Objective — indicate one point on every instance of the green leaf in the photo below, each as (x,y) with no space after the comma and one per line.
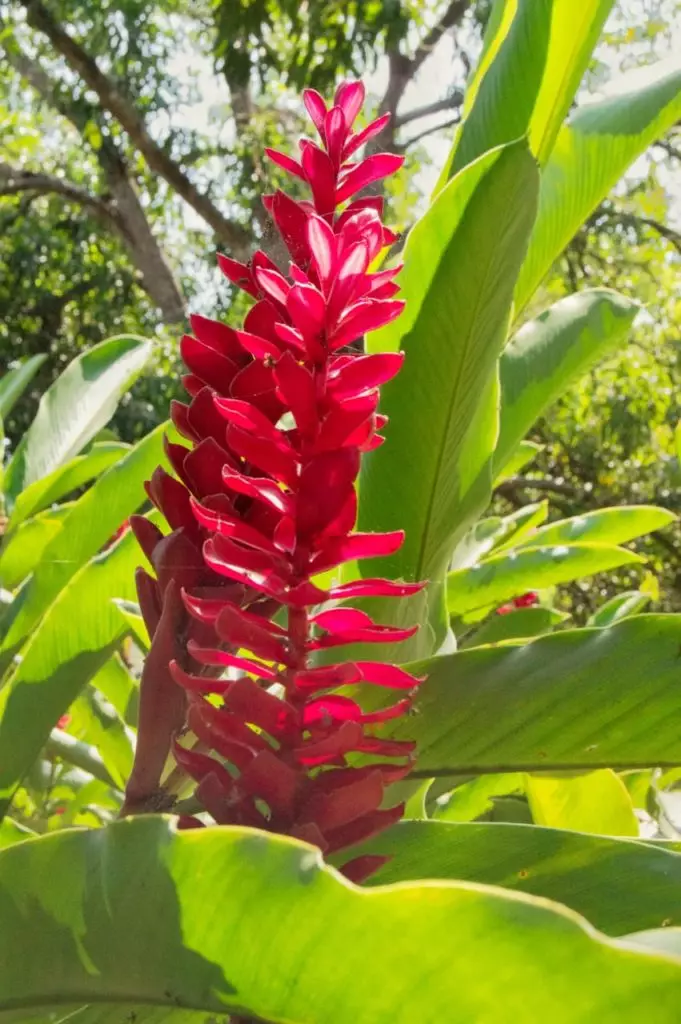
(568,701)
(12,832)
(76,637)
(24,547)
(591,153)
(583,801)
(96,721)
(549,353)
(130,611)
(661,940)
(507,575)
(60,744)
(617,884)
(525,453)
(115,682)
(474,798)
(232,920)
(15,381)
(461,260)
(65,479)
(619,607)
(521,523)
(519,624)
(79,403)
(540,50)
(91,522)
(492,534)
(604,526)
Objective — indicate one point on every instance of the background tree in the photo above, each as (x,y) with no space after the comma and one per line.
(132,152)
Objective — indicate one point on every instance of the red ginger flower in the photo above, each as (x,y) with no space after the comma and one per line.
(265,501)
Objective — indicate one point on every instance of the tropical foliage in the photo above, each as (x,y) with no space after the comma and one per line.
(531,760)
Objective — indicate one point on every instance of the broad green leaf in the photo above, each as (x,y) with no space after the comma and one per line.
(115,682)
(494,533)
(24,547)
(233,920)
(549,353)
(66,479)
(133,616)
(76,637)
(541,49)
(525,453)
(14,382)
(520,624)
(591,153)
(461,260)
(619,885)
(75,408)
(95,721)
(12,832)
(478,542)
(509,574)
(473,799)
(522,523)
(91,522)
(619,607)
(604,526)
(582,801)
(661,940)
(574,700)
(60,744)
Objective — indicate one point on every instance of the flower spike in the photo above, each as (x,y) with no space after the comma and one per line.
(263,500)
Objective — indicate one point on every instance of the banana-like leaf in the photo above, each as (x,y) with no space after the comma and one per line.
(79,403)
(91,522)
(521,523)
(619,607)
(117,685)
(75,638)
(523,455)
(95,721)
(574,700)
(235,921)
(535,51)
(549,353)
(604,526)
(619,885)
(12,832)
(591,153)
(475,798)
(461,261)
(15,381)
(472,591)
(79,754)
(65,479)
(520,624)
(582,801)
(22,550)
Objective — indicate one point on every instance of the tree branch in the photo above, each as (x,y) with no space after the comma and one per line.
(451,17)
(527,483)
(113,100)
(429,131)
(14,180)
(401,70)
(450,102)
(132,225)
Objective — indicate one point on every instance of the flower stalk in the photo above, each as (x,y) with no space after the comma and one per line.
(262,503)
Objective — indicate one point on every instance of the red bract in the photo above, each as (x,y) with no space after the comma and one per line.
(523,601)
(264,499)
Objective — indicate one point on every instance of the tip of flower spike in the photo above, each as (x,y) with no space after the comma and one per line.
(350,98)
